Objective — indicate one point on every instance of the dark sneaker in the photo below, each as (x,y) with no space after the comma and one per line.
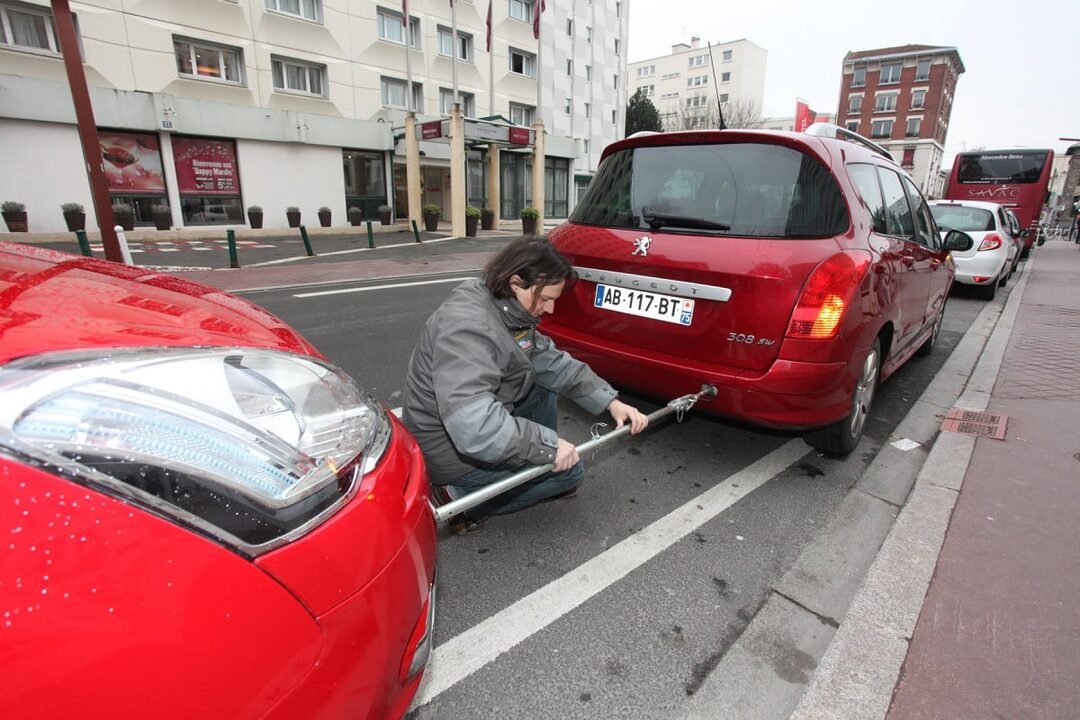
(462,524)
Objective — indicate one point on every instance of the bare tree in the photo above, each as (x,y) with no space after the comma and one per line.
(737,114)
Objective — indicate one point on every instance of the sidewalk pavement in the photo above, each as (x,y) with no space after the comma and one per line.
(971,608)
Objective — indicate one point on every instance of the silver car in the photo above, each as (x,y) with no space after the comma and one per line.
(992,259)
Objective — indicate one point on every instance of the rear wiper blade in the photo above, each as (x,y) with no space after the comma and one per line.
(655,221)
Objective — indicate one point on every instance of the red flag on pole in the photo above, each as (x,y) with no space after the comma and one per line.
(539,6)
(489,26)
(804,116)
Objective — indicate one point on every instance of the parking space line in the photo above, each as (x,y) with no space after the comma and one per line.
(380,287)
(461,656)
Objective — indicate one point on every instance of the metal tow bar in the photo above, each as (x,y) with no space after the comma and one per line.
(679,406)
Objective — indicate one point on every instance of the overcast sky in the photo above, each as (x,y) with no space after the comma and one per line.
(1018,90)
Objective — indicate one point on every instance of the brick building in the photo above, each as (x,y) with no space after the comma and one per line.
(902,98)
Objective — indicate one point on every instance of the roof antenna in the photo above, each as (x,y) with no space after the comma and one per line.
(719,105)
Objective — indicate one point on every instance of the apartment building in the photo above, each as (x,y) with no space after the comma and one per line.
(902,98)
(214,105)
(687,85)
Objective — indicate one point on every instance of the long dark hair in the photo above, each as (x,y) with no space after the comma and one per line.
(534,260)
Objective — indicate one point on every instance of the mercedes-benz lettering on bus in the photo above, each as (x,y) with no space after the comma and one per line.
(1017,179)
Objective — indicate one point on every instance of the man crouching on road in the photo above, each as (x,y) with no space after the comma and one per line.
(483,384)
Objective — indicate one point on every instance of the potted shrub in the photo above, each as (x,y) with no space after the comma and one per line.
(431,216)
(529,216)
(293,214)
(487,218)
(162,215)
(324,216)
(384,214)
(124,214)
(14,215)
(74,216)
(255,216)
(356,216)
(472,219)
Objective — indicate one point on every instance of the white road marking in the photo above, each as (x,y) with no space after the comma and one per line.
(379,287)
(461,656)
(350,251)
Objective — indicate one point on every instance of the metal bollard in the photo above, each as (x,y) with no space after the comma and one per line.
(307,243)
(121,238)
(415,231)
(370,235)
(230,236)
(84,243)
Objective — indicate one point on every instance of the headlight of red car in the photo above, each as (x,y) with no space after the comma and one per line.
(251,447)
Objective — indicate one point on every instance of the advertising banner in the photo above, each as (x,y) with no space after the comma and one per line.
(205,167)
(132,162)
(804,116)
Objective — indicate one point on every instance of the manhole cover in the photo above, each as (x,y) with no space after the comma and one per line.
(974,422)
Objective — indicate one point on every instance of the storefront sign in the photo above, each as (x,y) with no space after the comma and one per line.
(132,162)
(431,130)
(485,131)
(520,136)
(205,167)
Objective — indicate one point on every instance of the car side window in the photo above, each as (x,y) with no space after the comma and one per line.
(925,232)
(864,178)
(897,209)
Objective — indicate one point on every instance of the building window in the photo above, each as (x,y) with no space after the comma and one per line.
(306,9)
(521,114)
(203,60)
(618,9)
(556,187)
(922,70)
(885,103)
(854,104)
(615,80)
(726,56)
(588,73)
(569,67)
(889,74)
(568,108)
(914,125)
(446,44)
(858,77)
(918,99)
(569,27)
(585,145)
(207,180)
(646,70)
(467,100)
(723,97)
(698,60)
(365,181)
(853,125)
(588,35)
(588,109)
(26,28)
(909,157)
(393,94)
(522,63)
(725,77)
(694,102)
(391,29)
(614,117)
(616,47)
(521,10)
(297,76)
(647,90)
(881,129)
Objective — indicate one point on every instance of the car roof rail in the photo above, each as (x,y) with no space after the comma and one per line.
(829,130)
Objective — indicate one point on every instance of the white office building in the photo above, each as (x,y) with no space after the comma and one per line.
(214,105)
(688,85)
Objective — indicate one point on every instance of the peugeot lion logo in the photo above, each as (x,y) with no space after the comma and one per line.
(641,246)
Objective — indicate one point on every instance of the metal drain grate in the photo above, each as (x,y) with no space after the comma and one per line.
(974,422)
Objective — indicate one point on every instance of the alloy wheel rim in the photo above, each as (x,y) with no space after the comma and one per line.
(864,393)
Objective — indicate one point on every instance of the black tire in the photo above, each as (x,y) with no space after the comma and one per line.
(842,437)
(928,347)
(1004,277)
(986,292)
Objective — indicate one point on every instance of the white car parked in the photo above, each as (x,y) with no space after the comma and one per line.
(995,253)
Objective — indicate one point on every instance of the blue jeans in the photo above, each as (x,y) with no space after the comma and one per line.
(540,406)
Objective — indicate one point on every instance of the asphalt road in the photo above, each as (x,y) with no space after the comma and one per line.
(623,601)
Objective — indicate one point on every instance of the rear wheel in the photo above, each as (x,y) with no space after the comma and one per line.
(986,292)
(842,437)
(928,347)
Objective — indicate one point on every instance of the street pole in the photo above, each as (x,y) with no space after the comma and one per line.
(84,119)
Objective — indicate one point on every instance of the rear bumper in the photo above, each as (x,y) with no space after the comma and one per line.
(790,395)
(990,266)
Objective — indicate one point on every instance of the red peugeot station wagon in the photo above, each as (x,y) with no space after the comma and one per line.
(791,271)
(201,516)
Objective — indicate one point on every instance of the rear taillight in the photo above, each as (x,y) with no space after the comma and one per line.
(826,295)
(990,242)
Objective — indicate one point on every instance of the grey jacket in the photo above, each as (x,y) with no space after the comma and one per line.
(478,356)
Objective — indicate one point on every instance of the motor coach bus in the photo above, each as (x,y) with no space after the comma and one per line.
(1017,179)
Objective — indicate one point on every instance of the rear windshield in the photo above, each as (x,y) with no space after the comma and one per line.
(958,217)
(745,189)
(1011,167)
